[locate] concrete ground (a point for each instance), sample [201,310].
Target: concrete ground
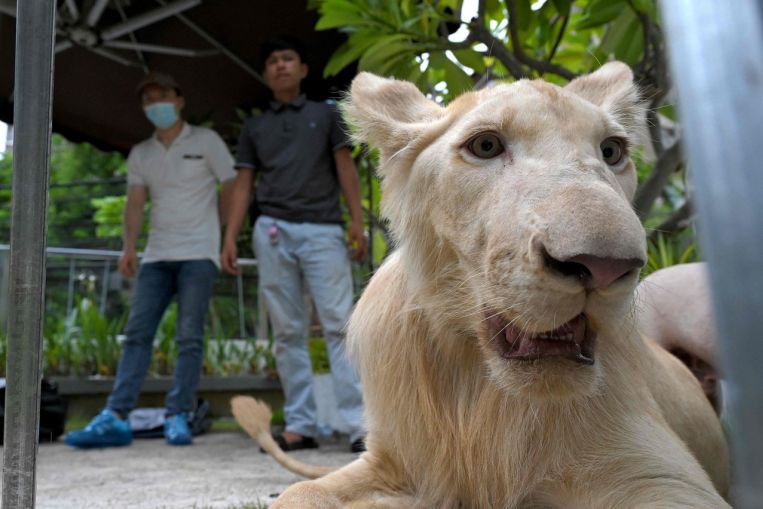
[220,470]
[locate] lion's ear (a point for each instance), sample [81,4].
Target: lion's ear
[611,88]
[388,113]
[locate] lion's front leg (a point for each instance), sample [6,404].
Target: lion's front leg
[356,486]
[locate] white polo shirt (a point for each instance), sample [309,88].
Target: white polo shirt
[181,181]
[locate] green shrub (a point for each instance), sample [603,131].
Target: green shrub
[665,251]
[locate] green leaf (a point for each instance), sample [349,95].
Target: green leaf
[631,47]
[575,58]
[375,58]
[458,81]
[337,14]
[600,12]
[396,66]
[493,9]
[669,111]
[563,6]
[616,31]
[471,58]
[624,38]
[415,73]
[393,12]
[645,6]
[524,15]
[348,52]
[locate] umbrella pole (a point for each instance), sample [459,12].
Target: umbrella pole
[32,125]
[716,52]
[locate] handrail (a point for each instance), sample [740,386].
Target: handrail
[105,253]
[108,255]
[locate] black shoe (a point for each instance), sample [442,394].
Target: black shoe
[358,446]
[304,443]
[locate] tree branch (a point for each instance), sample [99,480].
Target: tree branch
[676,222]
[558,41]
[655,130]
[478,32]
[538,65]
[667,164]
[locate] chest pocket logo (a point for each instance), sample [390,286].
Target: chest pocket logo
[193,156]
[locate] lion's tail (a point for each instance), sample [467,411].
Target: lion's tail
[254,416]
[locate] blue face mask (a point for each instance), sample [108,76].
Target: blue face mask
[162,115]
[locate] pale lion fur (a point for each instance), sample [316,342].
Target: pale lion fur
[452,425]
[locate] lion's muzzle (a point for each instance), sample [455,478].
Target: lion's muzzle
[590,235]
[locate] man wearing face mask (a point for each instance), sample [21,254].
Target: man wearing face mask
[178,168]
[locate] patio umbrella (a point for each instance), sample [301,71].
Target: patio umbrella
[104,47]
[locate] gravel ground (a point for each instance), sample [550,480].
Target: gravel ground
[220,470]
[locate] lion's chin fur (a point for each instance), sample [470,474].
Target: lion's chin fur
[549,379]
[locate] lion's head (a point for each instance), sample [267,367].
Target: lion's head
[511,209]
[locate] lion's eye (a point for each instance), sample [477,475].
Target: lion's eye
[612,150]
[485,146]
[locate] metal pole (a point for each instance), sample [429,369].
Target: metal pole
[716,52]
[70,287]
[262,314]
[104,286]
[35,36]
[241,310]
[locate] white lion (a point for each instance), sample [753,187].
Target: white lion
[497,346]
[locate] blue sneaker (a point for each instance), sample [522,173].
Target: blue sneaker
[105,430]
[176,430]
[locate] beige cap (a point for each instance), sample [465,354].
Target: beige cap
[157,78]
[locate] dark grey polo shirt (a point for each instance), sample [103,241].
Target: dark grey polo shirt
[292,147]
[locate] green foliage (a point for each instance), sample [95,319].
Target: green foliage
[83,343]
[78,173]
[165,347]
[6,177]
[278,417]
[109,211]
[367,162]
[509,39]
[411,39]
[666,251]
[87,343]
[389,37]
[318,355]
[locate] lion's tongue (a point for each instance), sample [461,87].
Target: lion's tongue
[566,341]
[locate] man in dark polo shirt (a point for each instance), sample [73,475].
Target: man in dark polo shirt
[301,153]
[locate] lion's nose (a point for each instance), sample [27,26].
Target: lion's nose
[595,272]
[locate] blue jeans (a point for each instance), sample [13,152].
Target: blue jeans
[319,253]
[192,281]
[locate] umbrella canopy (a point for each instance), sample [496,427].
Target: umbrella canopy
[104,48]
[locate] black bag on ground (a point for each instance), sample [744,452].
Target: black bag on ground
[53,409]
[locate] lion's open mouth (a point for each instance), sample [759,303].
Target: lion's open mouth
[573,340]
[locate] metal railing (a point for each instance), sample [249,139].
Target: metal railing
[107,260]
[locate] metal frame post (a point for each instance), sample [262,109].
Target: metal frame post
[35,35]
[241,310]
[716,52]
